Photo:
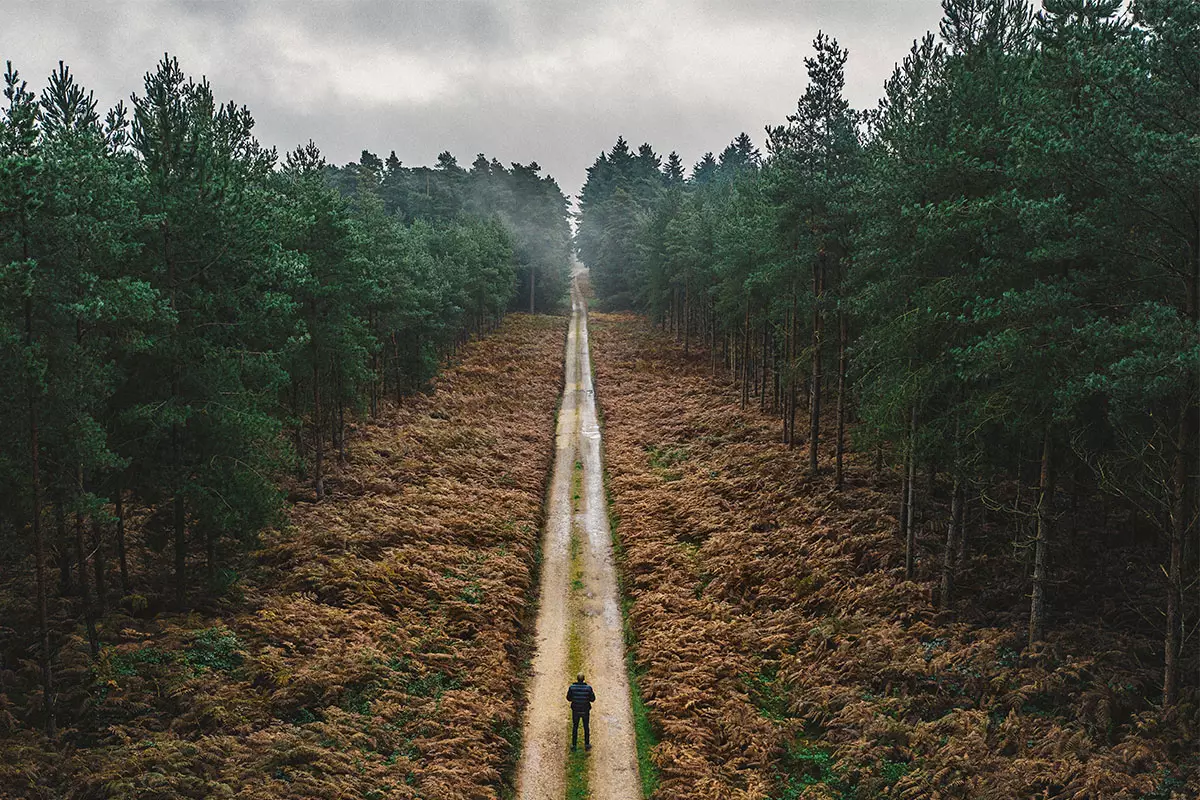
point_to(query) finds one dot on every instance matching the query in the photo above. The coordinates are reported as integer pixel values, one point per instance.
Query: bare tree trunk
(910, 528)
(396, 366)
(814, 433)
(176, 438)
(712, 339)
(793, 395)
(532, 284)
(374, 385)
(341, 419)
(180, 532)
(98, 566)
(299, 428)
(210, 556)
(746, 358)
(785, 372)
(838, 477)
(319, 438)
(374, 373)
(776, 377)
(1037, 603)
(953, 534)
(119, 505)
(39, 543)
(85, 596)
(762, 383)
(1173, 641)
(66, 583)
(180, 550)
(687, 318)
(910, 479)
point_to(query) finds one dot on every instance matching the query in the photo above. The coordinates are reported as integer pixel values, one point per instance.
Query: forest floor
(782, 654)
(579, 626)
(373, 647)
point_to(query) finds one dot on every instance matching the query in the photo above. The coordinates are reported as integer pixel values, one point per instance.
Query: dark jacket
(581, 697)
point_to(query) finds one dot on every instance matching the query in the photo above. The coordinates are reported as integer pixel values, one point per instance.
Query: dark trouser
(587, 732)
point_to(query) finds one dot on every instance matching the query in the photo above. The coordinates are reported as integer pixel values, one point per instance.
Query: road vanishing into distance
(579, 625)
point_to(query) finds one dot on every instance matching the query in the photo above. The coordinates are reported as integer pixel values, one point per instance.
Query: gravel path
(579, 618)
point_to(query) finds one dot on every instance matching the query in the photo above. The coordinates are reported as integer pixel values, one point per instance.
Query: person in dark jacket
(581, 697)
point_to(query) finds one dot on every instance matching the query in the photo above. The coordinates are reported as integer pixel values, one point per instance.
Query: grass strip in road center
(577, 767)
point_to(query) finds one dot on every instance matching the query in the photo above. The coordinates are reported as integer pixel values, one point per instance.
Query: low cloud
(554, 82)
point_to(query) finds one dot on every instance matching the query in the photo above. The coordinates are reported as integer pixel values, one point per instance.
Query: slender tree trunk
(910, 527)
(814, 433)
(1037, 604)
(374, 372)
(838, 478)
(746, 357)
(318, 436)
(298, 431)
(776, 378)
(793, 394)
(710, 329)
(179, 517)
(210, 556)
(762, 382)
(176, 435)
(66, 583)
(786, 373)
(396, 367)
(687, 318)
(340, 422)
(910, 479)
(123, 563)
(532, 283)
(39, 543)
(85, 595)
(180, 550)
(98, 566)
(374, 385)
(1173, 641)
(953, 534)
(964, 541)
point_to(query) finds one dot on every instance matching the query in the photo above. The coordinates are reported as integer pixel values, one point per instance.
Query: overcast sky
(553, 81)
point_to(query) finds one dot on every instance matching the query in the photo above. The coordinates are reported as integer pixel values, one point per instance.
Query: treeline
(530, 206)
(185, 321)
(994, 273)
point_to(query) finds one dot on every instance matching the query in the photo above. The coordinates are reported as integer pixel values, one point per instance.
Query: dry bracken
(786, 656)
(376, 649)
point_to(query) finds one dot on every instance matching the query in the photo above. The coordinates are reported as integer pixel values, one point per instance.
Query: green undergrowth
(664, 460)
(807, 763)
(577, 774)
(642, 726)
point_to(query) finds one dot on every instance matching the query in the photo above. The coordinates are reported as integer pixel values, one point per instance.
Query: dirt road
(579, 619)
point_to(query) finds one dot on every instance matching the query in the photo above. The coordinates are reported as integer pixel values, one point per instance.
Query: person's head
(579, 678)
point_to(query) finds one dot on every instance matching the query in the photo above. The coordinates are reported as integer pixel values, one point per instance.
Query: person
(581, 697)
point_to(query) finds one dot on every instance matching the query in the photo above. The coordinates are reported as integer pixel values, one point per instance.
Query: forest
(988, 283)
(189, 327)
(859, 462)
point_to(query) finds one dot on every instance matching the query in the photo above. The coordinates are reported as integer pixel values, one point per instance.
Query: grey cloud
(550, 81)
